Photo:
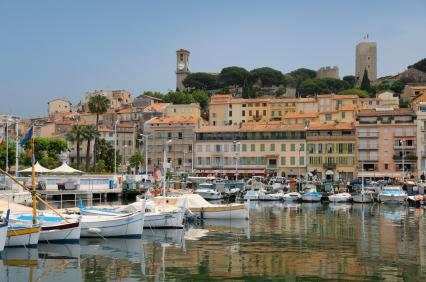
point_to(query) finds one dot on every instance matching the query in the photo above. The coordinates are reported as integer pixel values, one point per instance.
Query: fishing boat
(53, 229)
(292, 197)
(21, 234)
(310, 193)
(205, 210)
(392, 194)
(3, 232)
(263, 196)
(206, 191)
(127, 225)
(340, 197)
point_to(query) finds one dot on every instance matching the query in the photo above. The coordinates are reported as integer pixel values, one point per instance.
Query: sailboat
(364, 196)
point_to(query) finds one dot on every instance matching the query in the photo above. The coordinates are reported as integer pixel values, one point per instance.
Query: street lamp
(115, 146)
(237, 150)
(165, 164)
(402, 143)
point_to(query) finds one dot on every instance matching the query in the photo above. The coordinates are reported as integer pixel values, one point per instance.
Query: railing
(404, 147)
(368, 134)
(369, 147)
(409, 158)
(369, 159)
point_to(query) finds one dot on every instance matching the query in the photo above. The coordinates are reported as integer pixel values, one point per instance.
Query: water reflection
(283, 241)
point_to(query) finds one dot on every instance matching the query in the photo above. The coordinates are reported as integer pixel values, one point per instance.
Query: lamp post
(115, 147)
(402, 142)
(165, 164)
(237, 149)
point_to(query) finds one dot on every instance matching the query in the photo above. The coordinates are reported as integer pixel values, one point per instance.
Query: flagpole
(17, 149)
(7, 146)
(33, 181)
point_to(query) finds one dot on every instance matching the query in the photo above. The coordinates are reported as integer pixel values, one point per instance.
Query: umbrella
(37, 167)
(66, 169)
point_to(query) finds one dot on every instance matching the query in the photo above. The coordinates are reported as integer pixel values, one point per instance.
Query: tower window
(181, 57)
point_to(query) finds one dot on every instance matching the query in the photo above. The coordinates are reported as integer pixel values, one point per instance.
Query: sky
(55, 49)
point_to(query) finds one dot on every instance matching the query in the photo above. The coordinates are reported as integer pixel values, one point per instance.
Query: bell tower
(182, 70)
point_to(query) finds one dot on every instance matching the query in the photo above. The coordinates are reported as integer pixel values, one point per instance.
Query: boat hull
(311, 198)
(392, 199)
(292, 197)
(164, 220)
(363, 198)
(338, 198)
(210, 196)
(23, 236)
(236, 211)
(61, 233)
(130, 225)
(271, 197)
(3, 236)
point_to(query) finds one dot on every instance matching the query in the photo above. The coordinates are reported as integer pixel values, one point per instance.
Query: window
(386, 166)
(302, 147)
(264, 112)
(199, 148)
(283, 147)
(292, 160)
(292, 147)
(243, 113)
(230, 113)
(250, 113)
(180, 135)
(272, 147)
(226, 147)
(343, 114)
(301, 161)
(217, 148)
(327, 117)
(283, 161)
(230, 122)
(169, 135)
(244, 147)
(190, 148)
(214, 115)
(179, 161)
(253, 147)
(208, 148)
(262, 147)
(214, 123)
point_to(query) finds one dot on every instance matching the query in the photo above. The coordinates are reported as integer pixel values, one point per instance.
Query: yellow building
(331, 150)
(183, 110)
(251, 149)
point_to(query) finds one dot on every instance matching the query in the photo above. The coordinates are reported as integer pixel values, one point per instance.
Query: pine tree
(247, 89)
(365, 83)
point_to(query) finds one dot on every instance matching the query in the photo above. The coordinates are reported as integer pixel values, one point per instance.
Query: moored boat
(292, 197)
(270, 196)
(206, 191)
(363, 197)
(22, 235)
(340, 197)
(3, 232)
(392, 194)
(252, 195)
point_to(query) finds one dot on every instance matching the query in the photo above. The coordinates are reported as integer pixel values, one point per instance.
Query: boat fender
(94, 230)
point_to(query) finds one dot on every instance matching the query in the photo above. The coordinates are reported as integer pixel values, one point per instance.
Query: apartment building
(386, 143)
(421, 136)
(175, 135)
(263, 148)
(331, 153)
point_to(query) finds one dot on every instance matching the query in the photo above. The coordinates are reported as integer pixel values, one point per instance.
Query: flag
(27, 137)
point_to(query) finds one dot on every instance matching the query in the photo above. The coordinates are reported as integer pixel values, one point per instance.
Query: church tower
(182, 70)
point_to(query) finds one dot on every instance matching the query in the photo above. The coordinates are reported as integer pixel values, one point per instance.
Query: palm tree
(75, 135)
(89, 133)
(98, 104)
(136, 161)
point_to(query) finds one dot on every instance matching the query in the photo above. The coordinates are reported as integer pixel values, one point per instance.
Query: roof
(345, 97)
(159, 107)
(126, 124)
(172, 120)
(349, 107)
(253, 126)
(330, 126)
(125, 111)
(150, 97)
(301, 115)
(385, 112)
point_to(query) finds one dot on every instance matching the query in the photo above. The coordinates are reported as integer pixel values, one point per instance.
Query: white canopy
(64, 168)
(37, 167)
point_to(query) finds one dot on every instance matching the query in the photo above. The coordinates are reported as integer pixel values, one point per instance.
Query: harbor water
(288, 242)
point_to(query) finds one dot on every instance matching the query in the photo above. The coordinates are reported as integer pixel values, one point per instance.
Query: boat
(205, 210)
(3, 232)
(270, 196)
(310, 193)
(392, 194)
(363, 197)
(22, 234)
(292, 197)
(340, 197)
(53, 229)
(206, 191)
(251, 195)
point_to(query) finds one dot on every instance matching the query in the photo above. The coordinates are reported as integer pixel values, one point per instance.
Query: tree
(201, 80)
(280, 91)
(322, 86)
(232, 76)
(47, 151)
(350, 79)
(11, 154)
(266, 77)
(365, 83)
(136, 160)
(179, 98)
(247, 89)
(201, 97)
(106, 154)
(155, 94)
(354, 91)
(300, 75)
(89, 133)
(98, 104)
(397, 86)
(76, 135)
(420, 65)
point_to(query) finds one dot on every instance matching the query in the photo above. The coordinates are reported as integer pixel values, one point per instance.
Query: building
(255, 148)
(118, 99)
(366, 59)
(328, 72)
(421, 136)
(411, 91)
(183, 110)
(182, 68)
(331, 150)
(176, 136)
(386, 138)
(58, 106)
(143, 101)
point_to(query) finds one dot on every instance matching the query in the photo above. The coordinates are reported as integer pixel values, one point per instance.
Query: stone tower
(182, 70)
(328, 72)
(366, 59)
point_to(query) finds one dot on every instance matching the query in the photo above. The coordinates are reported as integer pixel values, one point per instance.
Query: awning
(65, 169)
(329, 172)
(38, 168)
(231, 172)
(379, 174)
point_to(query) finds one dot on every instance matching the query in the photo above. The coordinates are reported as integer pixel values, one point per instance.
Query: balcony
(407, 159)
(329, 165)
(271, 166)
(368, 147)
(368, 159)
(368, 134)
(405, 147)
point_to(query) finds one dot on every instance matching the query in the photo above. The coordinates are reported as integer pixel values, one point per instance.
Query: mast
(33, 180)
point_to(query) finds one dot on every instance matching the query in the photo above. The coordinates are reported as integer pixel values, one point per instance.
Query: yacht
(206, 191)
(392, 194)
(292, 197)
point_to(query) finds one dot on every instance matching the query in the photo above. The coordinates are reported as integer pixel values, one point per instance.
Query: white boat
(340, 198)
(392, 194)
(123, 225)
(53, 228)
(292, 197)
(21, 234)
(270, 196)
(205, 210)
(310, 193)
(3, 232)
(363, 197)
(252, 195)
(206, 191)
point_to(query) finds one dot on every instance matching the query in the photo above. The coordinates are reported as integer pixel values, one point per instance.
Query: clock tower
(182, 70)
